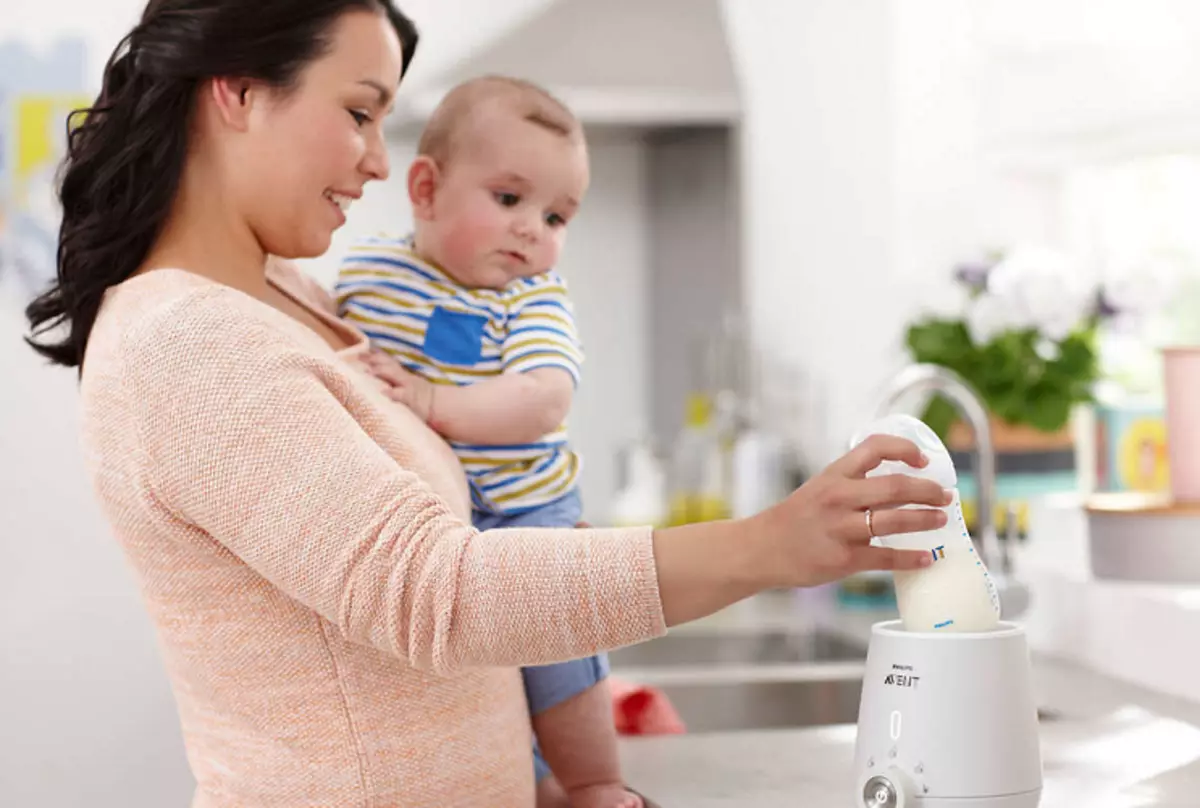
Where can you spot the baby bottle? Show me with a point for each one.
(954, 593)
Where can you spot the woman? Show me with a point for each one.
(334, 631)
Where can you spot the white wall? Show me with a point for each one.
(85, 708)
(818, 183)
(1085, 78)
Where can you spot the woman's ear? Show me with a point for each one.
(424, 177)
(233, 99)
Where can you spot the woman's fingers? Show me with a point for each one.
(889, 522)
(891, 491)
(887, 558)
(822, 532)
(876, 449)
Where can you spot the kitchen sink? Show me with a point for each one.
(711, 650)
(731, 705)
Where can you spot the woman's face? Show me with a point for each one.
(307, 155)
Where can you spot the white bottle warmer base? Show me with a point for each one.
(947, 721)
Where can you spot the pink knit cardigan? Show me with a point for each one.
(335, 632)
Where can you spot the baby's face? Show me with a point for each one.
(502, 207)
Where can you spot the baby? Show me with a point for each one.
(481, 327)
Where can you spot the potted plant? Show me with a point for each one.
(1026, 341)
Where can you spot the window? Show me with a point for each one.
(1137, 222)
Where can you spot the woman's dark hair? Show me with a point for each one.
(126, 156)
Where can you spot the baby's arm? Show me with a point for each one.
(530, 399)
(510, 409)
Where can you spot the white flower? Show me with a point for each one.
(1047, 349)
(1059, 324)
(1143, 285)
(988, 317)
(1043, 289)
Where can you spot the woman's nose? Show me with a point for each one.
(375, 162)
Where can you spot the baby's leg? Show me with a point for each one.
(550, 793)
(572, 718)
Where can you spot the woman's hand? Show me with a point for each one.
(823, 531)
(404, 387)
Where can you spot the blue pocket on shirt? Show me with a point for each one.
(454, 337)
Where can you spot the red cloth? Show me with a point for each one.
(643, 710)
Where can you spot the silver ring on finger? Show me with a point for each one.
(870, 523)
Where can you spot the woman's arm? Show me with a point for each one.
(818, 534)
(247, 439)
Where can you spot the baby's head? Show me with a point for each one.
(501, 168)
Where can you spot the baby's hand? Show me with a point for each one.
(404, 386)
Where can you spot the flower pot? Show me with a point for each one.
(1011, 438)
(1181, 378)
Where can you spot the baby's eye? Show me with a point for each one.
(554, 220)
(506, 199)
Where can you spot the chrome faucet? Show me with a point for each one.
(929, 378)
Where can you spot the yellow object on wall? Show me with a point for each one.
(40, 126)
(1141, 454)
(1132, 449)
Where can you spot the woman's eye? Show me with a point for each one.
(359, 117)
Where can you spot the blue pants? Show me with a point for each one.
(548, 685)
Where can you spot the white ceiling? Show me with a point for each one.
(612, 61)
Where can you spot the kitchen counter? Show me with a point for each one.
(1104, 743)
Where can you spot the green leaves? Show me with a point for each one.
(1018, 383)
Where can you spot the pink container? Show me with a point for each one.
(1181, 376)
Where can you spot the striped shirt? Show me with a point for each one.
(449, 334)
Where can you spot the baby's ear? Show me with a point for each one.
(424, 176)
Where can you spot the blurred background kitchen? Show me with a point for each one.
(793, 203)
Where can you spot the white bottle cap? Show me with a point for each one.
(940, 468)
